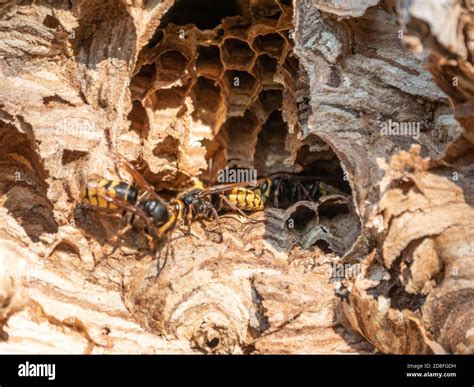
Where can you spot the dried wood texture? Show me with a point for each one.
(414, 294)
(316, 80)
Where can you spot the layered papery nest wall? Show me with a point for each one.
(414, 290)
(271, 85)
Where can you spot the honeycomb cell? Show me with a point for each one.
(171, 65)
(267, 102)
(265, 9)
(208, 63)
(272, 44)
(239, 88)
(236, 27)
(241, 126)
(239, 135)
(265, 69)
(168, 149)
(139, 119)
(270, 154)
(290, 71)
(204, 14)
(141, 82)
(237, 55)
(171, 98)
(208, 103)
(271, 100)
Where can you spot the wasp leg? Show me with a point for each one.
(219, 225)
(167, 248)
(151, 240)
(117, 237)
(278, 192)
(137, 176)
(128, 207)
(302, 188)
(235, 208)
(187, 221)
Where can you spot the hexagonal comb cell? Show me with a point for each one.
(142, 81)
(236, 27)
(239, 135)
(267, 102)
(139, 119)
(208, 104)
(270, 152)
(237, 54)
(171, 98)
(208, 63)
(239, 89)
(265, 9)
(265, 69)
(272, 44)
(171, 65)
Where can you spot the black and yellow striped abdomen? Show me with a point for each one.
(249, 198)
(246, 199)
(95, 193)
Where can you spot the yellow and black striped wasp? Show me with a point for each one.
(286, 189)
(279, 190)
(162, 217)
(139, 199)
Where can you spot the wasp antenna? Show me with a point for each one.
(210, 171)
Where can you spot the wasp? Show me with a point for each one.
(241, 196)
(161, 217)
(187, 207)
(287, 189)
(139, 199)
(279, 190)
(207, 203)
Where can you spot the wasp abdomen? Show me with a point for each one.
(95, 193)
(246, 199)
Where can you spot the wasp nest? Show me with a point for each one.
(210, 83)
(231, 88)
(229, 91)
